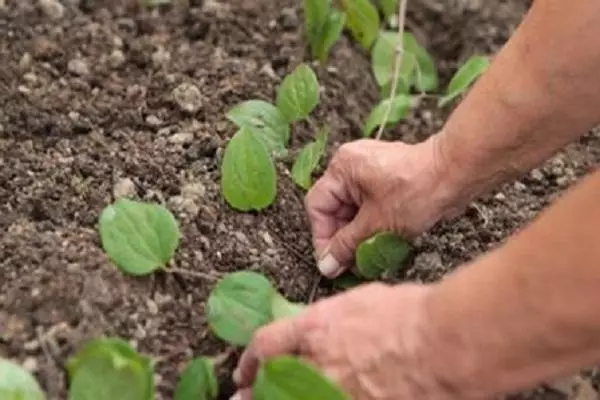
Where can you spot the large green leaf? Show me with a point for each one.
(238, 305)
(362, 21)
(464, 77)
(248, 176)
(426, 75)
(316, 13)
(330, 34)
(382, 253)
(109, 368)
(298, 94)
(383, 61)
(283, 308)
(266, 121)
(290, 378)
(308, 160)
(399, 108)
(198, 381)
(16, 383)
(138, 237)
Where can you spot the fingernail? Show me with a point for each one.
(236, 376)
(236, 396)
(329, 266)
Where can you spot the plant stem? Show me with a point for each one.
(397, 64)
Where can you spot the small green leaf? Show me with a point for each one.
(382, 253)
(383, 61)
(238, 305)
(283, 308)
(248, 175)
(298, 94)
(266, 121)
(464, 77)
(198, 381)
(362, 21)
(138, 237)
(109, 368)
(316, 13)
(290, 378)
(308, 160)
(330, 35)
(426, 76)
(399, 108)
(16, 383)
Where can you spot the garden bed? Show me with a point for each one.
(88, 112)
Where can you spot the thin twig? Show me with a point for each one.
(397, 65)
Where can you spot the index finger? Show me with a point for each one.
(278, 338)
(328, 204)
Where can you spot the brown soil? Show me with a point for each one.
(87, 110)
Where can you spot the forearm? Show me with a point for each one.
(539, 93)
(530, 310)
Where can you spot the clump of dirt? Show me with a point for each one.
(100, 99)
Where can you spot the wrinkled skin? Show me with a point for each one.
(358, 339)
(372, 186)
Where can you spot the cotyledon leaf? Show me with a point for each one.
(464, 77)
(238, 305)
(16, 383)
(266, 121)
(290, 378)
(248, 176)
(331, 33)
(362, 19)
(138, 237)
(399, 108)
(298, 94)
(382, 253)
(198, 381)
(308, 160)
(283, 308)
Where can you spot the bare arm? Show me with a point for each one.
(530, 310)
(540, 93)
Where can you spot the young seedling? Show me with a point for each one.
(308, 160)
(138, 237)
(17, 383)
(383, 253)
(248, 174)
(464, 78)
(323, 26)
(362, 21)
(240, 304)
(198, 381)
(108, 369)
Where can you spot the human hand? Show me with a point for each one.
(372, 186)
(373, 341)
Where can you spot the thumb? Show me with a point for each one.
(340, 250)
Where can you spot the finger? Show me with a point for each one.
(324, 202)
(245, 394)
(343, 244)
(277, 338)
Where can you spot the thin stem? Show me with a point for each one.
(397, 64)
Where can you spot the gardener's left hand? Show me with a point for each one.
(372, 341)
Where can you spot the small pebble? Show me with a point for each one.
(78, 67)
(188, 97)
(124, 188)
(116, 59)
(181, 138)
(52, 8)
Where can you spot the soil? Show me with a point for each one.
(89, 110)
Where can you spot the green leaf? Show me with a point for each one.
(290, 378)
(426, 76)
(347, 281)
(198, 381)
(238, 305)
(389, 8)
(248, 175)
(464, 77)
(383, 61)
(329, 35)
(362, 21)
(16, 383)
(283, 308)
(266, 121)
(399, 108)
(138, 237)
(298, 94)
(382, 253)
(316, 13)
(109, 368)
(308, 160)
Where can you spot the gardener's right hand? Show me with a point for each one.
(372, 186)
